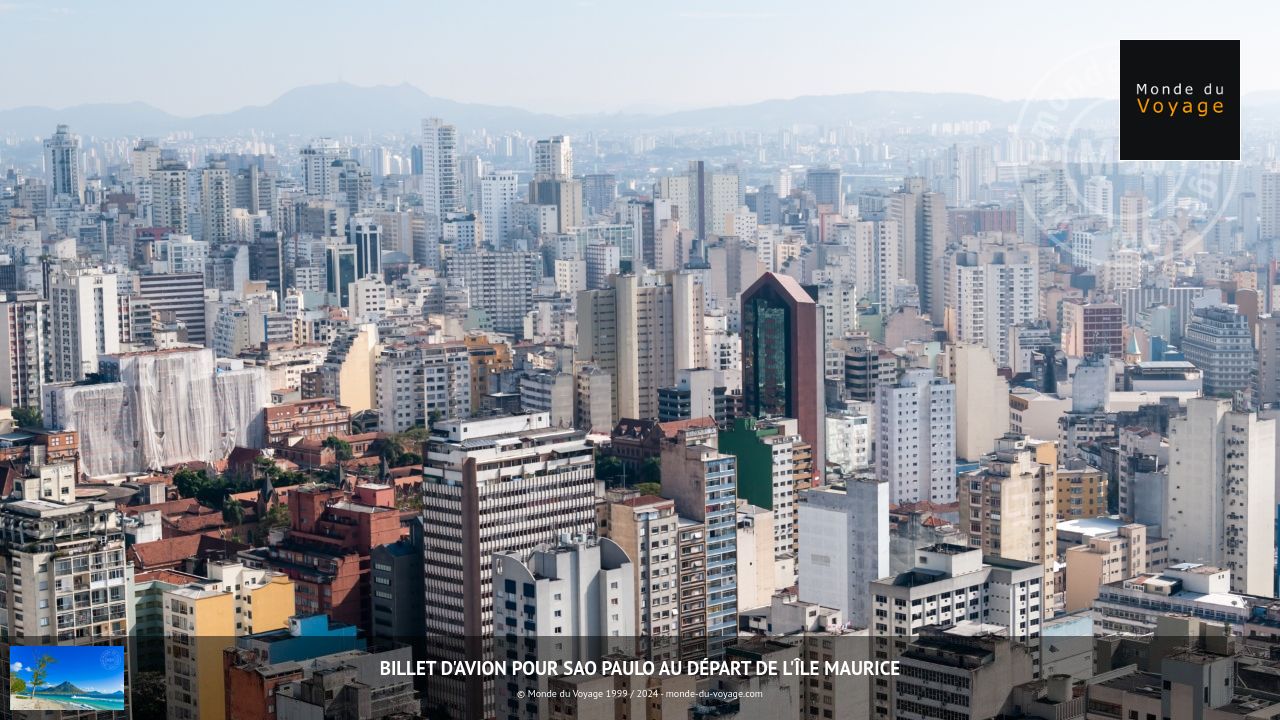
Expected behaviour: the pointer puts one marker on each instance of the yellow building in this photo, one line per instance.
(1082, 493)
(203, 618)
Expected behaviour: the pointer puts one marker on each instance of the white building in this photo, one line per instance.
(499, 193)
(1221, 504)
(916, 451)
(84, 321)
(415, 384)
(849, 438)
(439, 174)
(992, 288)
(844, 545)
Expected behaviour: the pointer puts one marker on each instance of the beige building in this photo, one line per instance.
(348, 372)
(757, 563)
(1110, 558)
(1008, 506)
(982, 414)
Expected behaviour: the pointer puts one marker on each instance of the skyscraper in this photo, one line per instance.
(498, 195)
(366, 236)
(169, 202)
(500, 484)
(24, 318)
(439, 174)
(217, 196)
(824, 183)
(922, 230)
(62, 160)
(782, 357)
(553, 158)
(1219, 342)
(916, 450)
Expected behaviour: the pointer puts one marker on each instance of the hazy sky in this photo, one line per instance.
(576, 56)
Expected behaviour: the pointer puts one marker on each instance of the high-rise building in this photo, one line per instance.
(844, 545)
(824, 184)
(921, 219)
(773, 461)
(1099, 198)
(916, 448)
(783, 356)
(340, 272)
(440, 192)
(499, 193)
(417, 384)
(1092, 328)
(1218, 340)
(500, 484)
(982, 406)
(62, 162)
(217, 197)
(170, 204)
(499, 283)
(366, 236)
(24, 341)
(599, 191)
(553, 158)
(702, 482)
(1269, 207)
(642, 330)
(579, 594)
(993, 287)
(84, 321)
(177, 297)
(1221, 506)
(1008, 506)
(1266, 389)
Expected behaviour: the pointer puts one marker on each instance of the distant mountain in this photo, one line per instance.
(345, 109)
(62, 688)
(95, 693)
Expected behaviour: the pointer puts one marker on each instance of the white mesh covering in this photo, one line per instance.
(169, 407)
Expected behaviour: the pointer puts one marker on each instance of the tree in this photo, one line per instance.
(648, 488)
(277, 516)
(16, 685)
(609, 469)
(341, 448)
(28, 417)
(41, 673)
(146, 695)
(651, 471)
(233, 512)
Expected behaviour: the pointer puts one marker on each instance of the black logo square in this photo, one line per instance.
(1179, 99)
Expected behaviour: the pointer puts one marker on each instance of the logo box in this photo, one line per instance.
(1179, 99)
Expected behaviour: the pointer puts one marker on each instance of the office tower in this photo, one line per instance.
(993, 287)
(1099, 198)
(439, 174)
(1221, 506)
(500, 284)
(366, 236)
(921, 219)
(84, 321)
(24, 349)
(53, 545)
(773, 460)
(782, 357)
(267, 263)
(824, 184)
(602, 261)
(844, 545)
(170, 204)
(1008, 506)
(982, 406)
(176, 297)
(202, 616)
(340, 272)
(62, 162)
(702, 482)
(950, 584)
(599, 191)
(216, 201)
(166, 407)
(417, 384)
(1266, 388)
(506, 483)
(642, 330)
(499, 193)
(1092, 328)
(317, 160)
(916, 451)
(578, 593)
(553, 158)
